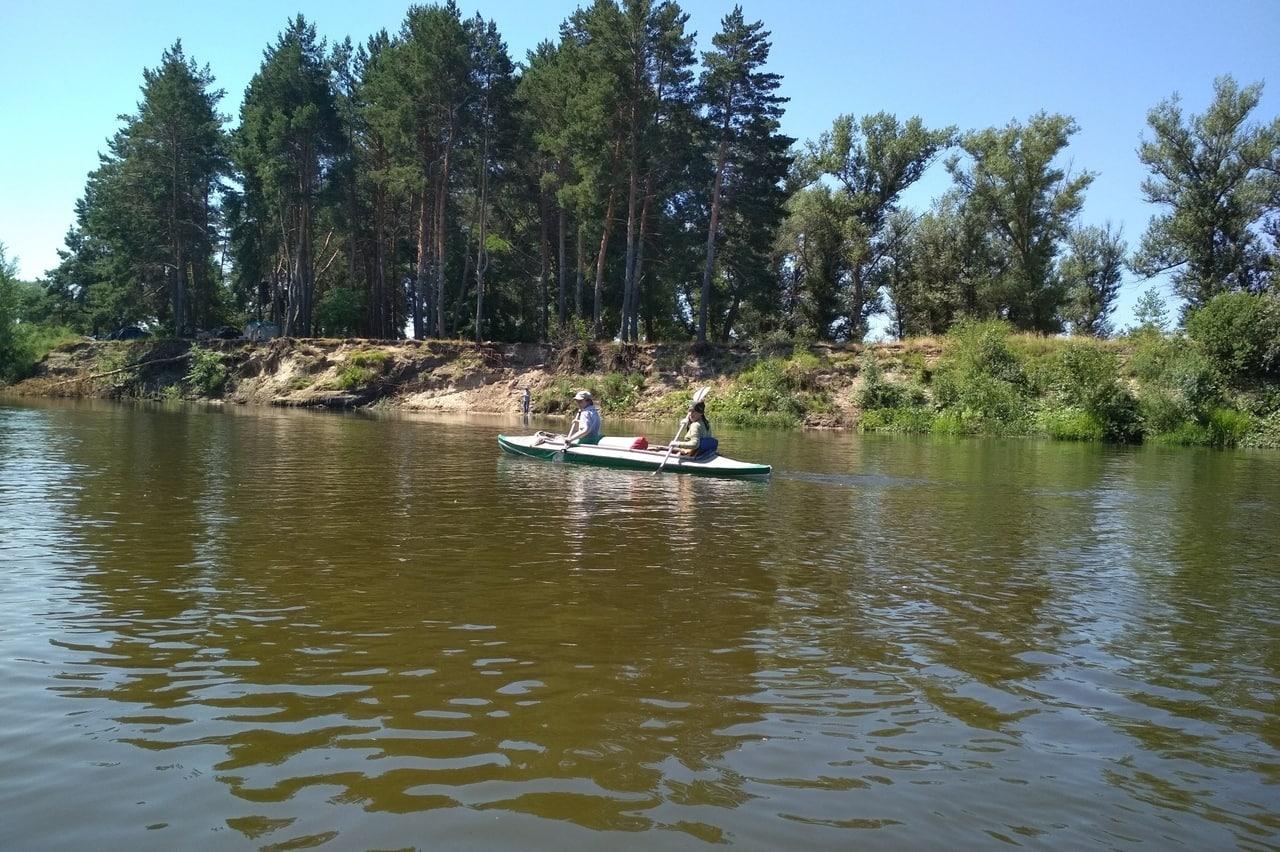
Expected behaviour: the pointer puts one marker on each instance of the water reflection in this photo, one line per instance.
(300, 629)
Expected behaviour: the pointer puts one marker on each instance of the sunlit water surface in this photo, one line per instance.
(260, 628)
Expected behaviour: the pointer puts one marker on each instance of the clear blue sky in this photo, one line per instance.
(69, 69)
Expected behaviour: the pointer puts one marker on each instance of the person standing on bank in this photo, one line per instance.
(586, 428)
(697, 439)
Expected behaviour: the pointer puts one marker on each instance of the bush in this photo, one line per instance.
(980, 379)
(24, 345)
(950, 423)
(355, 376)
(1240, 332)
(617, 391)
(775, 392)
(1180, 385)
(1266, 433)
(207, 375)
(1085, 379)
(878, 392)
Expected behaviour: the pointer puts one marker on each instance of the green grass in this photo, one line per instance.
(361, 369)
(354, 376)
(368, 358)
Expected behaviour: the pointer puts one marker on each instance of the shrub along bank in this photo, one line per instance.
(1217, 384)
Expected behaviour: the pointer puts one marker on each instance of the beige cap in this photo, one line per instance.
(583, 394)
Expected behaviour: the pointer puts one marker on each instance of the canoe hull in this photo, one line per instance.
(621, 459)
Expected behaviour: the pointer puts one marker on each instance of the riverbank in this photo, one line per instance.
(647, 381)
(979, 380)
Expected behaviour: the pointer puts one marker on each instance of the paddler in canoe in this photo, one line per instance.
(586, 427)
(697, 438)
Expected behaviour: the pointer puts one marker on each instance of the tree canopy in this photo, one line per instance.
(619, 183)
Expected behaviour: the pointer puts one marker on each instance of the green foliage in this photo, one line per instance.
(339, 312)
(556, 397)
(1240, 332)
(1071, 424)
(912, 419)
(879, 393)
(1028, 204)
(980, 379)
(361, 369)
(207, 375)
(23, 343)
(1091, 273)
(145, 232)
(1223, 427)
(1266, 433)
(774, 391)
(1214, 176)
(353, 376)
(368, 358)
(1086, 379)
(1149, 312)
(289, 129)
(871, 161)
(951, 423)
(617, 391)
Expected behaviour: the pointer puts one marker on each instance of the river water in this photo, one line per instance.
(261, 628)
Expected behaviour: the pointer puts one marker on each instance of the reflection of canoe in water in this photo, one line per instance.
(617, 452)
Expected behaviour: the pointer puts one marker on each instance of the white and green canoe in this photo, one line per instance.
(617, 453)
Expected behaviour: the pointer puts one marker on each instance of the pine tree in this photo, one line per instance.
(289, 132)
(147, 226)
(741, 106)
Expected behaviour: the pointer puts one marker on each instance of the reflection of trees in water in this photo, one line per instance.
(977, 557)
(1196, 665)
(290, 590)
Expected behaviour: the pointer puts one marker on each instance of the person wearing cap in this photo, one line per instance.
(697, 438)
(586, 428)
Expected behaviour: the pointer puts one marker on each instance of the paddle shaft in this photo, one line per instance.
(670, 447)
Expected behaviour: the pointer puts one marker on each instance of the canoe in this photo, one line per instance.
(617, 453)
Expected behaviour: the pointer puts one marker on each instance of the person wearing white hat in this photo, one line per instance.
(586, 428)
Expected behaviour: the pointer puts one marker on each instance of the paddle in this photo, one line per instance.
(697, 398)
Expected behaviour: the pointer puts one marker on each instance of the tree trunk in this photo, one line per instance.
(638, 276)
(704, 309)
(482, 256)
(561, 273)
(629, 268)
(600, 258)
(857, 327)
(421, 276)
(543, 258)
(455, 318)
(578, 274)
(441, 203)
(378, 303)
(604, 241)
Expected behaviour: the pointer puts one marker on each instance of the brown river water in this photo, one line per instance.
(262, 628)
